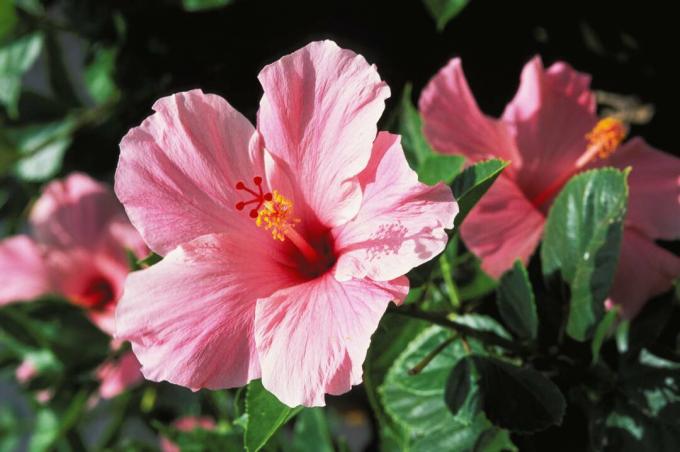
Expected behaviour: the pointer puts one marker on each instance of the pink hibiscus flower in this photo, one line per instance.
(283, 244)
(77, 249)
(550, 132)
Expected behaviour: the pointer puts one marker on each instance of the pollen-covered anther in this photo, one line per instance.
(260, 197)
(607, 136)
(277, 216)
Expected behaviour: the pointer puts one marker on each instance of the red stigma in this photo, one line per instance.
(259, 196)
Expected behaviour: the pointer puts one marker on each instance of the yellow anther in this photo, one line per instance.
(606, 136)
(277, 216)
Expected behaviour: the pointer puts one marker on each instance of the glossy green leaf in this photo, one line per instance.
(416, 401)
(203, 5)
(440, 168)
(518, 399)
(470, 185)
(442, 11)
(311, 432)
(516, 302)
(16, 57)
(266, 415)
(581, 243)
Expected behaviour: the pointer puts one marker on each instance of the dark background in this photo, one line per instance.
(628, 50)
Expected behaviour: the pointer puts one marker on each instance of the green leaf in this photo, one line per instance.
(470, 185)
(16, 57)
(99, 75)
(8, 18)
(518, 399)
(416, 402)
(602, 332)
(581, 243)
(311, 432)
(516, 302)
(265, 416)
(202, 5)
(442, 11)
(41, 148)
(430, 166)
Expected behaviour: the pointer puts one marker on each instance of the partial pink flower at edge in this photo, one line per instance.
(186, 424)
(543, 133)
(283, 245)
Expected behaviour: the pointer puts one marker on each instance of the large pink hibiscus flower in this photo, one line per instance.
(549, 132)
(77, 249)
(282, 245)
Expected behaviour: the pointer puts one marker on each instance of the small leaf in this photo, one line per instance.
(203, 5)
(470, 185)
(519, 399)
(99, 75)
(442, 11)
(16, 57)
(265, 416)
(516, 302)
(581, 243)
(311, 432)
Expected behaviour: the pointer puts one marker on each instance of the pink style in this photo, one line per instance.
(77, 249)
(283, 244)
(550, 132)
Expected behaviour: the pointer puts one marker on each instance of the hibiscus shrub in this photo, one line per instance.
(331, 270)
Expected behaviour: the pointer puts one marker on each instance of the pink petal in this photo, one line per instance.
(177, 171)
(190, 317)
(116, 376)
(26, 371)
(75, 212)
(23, 273)
(552, 112)
(453, 123)
(503, 227)
(645, 270)
(654, 199)
(401, 222)
(312, 338)
(318, 114)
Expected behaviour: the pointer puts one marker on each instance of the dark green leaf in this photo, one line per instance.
(202, 5)
(266, 414)
(461, 392)
(311, 432)
(516, 302)
(602, 332)
(8, 18)
(581, 243)
(16, 57)
(442, 11)
(470, 185)
(59, 77)
(519, 399)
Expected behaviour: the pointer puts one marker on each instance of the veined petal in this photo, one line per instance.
(503, 227)
(401, 222)
(190, 317)
(552, 112)
(453, 123)
(319, 115)
(23, 273)
(644, 271)
(177, 171)
(312, 338)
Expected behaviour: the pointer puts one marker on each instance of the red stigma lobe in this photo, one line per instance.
(259, 196)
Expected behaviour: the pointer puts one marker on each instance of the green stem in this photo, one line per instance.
(451, 289)
(415, 370)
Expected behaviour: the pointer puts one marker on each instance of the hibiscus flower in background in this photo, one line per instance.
(283, 245)
(77, 246)
(549, 132)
